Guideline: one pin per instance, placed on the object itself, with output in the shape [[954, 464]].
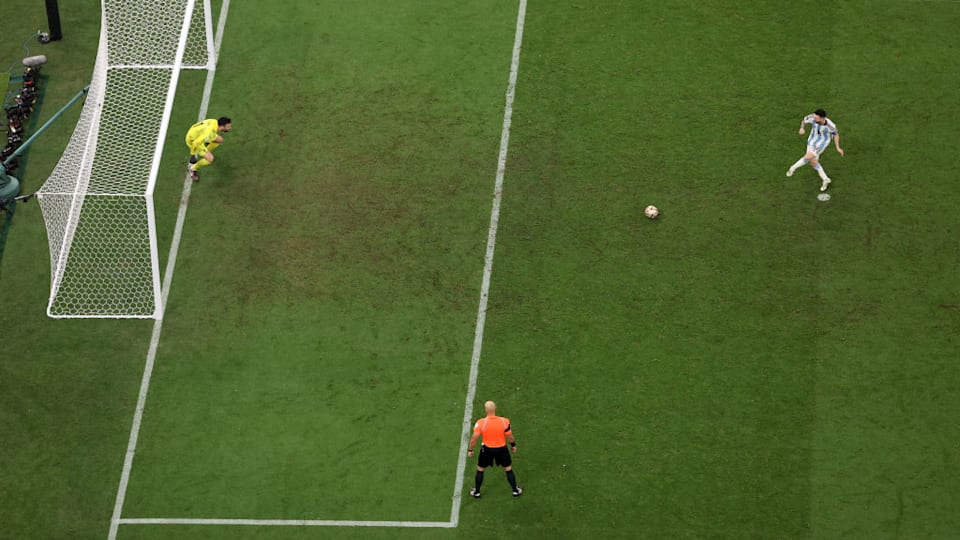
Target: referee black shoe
[[517, 492], [475, 493]]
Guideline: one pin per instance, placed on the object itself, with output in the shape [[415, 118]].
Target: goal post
[[98, 203]]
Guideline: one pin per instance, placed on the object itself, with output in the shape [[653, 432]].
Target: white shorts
[[816, 153]]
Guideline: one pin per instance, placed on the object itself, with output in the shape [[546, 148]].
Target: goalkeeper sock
[[197, 165], [512, 479], [212, 146]]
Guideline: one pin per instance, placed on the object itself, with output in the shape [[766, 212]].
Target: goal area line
[[288, 522]]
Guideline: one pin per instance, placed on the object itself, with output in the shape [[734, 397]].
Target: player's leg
[[823, 176], [191, 168], [191, 146], [807, 157], [800, 163], [206, 158], [197, 149], [194, 140], [215, 144], [815, 163], [200, 159]]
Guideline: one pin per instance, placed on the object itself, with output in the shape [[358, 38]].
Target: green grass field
[[753, 364]]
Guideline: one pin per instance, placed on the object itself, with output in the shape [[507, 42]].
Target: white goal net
[[98, 202]]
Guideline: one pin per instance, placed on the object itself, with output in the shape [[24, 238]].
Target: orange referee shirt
[[494, 430]]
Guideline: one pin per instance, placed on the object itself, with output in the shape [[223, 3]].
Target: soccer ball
[[651, 212]]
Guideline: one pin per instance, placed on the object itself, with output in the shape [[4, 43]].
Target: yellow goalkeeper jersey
[[201, 134]]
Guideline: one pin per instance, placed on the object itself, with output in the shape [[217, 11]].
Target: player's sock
[[512, 479], [821, 172], [478, 479], [212, 146], [197, 165], [800, 163]]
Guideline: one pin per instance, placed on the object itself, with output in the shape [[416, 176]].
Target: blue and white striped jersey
[[820, 135]]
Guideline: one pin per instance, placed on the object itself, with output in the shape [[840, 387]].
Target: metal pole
[[53, 20], [9, 186]]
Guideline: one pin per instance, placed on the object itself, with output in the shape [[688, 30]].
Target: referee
[[495, 431]]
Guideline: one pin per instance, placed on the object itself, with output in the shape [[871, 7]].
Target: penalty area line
[[164, 293], [475, 357], [488, 265], [287, 522]]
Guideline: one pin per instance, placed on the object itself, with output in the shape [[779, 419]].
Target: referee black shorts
[[499, 455]]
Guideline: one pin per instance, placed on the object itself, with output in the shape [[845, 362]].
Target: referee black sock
[[512, 479], [478, 479]]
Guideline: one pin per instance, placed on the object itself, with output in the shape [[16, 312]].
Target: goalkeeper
[[202, 139]]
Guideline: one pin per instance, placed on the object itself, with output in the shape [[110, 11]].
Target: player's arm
[[836, 142], [806, 120], [202, 141], [473, 442], [511, 439]]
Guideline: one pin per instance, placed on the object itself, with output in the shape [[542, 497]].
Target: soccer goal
[[97, 203]]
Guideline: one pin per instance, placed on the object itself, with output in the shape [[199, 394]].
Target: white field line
[[488, 266], [474, 363], [167, 279], [286, 522]]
